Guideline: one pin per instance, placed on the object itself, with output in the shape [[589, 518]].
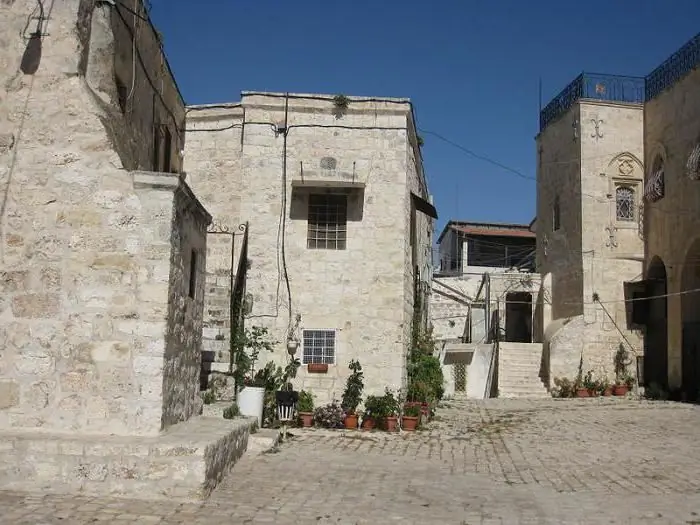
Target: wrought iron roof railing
[[612, 88], [673, 68]]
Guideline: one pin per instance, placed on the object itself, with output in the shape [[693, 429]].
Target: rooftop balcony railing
[[610, 88]]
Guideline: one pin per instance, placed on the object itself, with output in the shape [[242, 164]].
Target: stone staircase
[[519, 371]]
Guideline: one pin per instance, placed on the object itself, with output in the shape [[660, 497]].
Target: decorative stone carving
[[597, 132], [625, 167]]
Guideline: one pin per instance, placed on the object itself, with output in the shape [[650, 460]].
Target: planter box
[[317, 368]]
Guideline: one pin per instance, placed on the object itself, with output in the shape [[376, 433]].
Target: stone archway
[[656, 337], [690, 322]]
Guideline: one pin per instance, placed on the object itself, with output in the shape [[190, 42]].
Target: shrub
[[306, 402], [231, 412], [354, 386], [330, 416]]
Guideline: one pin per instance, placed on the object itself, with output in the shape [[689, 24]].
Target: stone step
[[186, 461], [519, 381]]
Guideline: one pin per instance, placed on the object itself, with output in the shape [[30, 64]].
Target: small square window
[[318, 347]]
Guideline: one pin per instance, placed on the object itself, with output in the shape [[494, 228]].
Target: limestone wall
[[213, 161], [86, 244], [559, 177], [360, 292], [671, 224], [610, 138]]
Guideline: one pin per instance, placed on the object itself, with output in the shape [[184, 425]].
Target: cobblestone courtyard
[[503, 461]]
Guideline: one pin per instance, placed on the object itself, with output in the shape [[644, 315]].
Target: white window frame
[[335, 345]]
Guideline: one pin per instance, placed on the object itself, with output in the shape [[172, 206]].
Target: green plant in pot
[[305, 408], [374, 412], [391, 409], [411, 415], [352, 395]]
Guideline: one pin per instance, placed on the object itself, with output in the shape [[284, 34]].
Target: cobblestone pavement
[[501, 461]]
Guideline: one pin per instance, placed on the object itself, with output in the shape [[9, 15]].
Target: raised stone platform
[[185, 462]]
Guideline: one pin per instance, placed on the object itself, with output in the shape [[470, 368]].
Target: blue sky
[[471, 67]]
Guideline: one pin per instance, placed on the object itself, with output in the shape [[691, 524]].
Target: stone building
[[483, 296], [339, 228], [671, 224], [632, 243], [590, 177], [103, 256]]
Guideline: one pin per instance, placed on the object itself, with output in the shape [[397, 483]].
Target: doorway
[[519, 317]]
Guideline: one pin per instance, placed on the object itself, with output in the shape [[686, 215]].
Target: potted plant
[[352, 395], [604, 387], [390, 409], [248, 345], [590, 385], [330, 415], [409, 421], [624, 381], [624, 385], [305, 408], [374, 411]]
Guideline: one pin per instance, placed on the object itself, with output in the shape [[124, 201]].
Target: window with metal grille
[[328, 221], [624, 203], [318, 347]]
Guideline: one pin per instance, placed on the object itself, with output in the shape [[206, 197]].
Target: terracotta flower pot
[[608, 391], [390, 423], [620, 390], [307, 419], [409, 423], [368, 423], [317, 368], [351, 421], [582, 392]]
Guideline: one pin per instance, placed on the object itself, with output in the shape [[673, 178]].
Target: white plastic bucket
[[250, 402]]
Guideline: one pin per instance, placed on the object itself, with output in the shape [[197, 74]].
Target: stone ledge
[[154, 180], [185, 462]]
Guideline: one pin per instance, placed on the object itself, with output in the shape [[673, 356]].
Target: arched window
[[624, 203], [556, 214]]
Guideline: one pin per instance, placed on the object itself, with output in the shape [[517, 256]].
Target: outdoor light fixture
[[292, 346]]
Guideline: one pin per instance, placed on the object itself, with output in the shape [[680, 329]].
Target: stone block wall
[[187, 288], [559, 177], [671, 224], [608, 138], [213, 161], [85, 243], [360, 293]]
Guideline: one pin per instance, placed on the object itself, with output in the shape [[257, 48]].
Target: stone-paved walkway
[[502, 461]]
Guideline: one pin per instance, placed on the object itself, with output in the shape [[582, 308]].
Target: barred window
[[624, 203], [318, 347], [328, 220]]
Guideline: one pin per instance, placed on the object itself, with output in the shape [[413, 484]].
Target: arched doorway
[[690, 322], [656, 337]]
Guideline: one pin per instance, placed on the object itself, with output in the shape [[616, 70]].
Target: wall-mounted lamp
[[292, 346]]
